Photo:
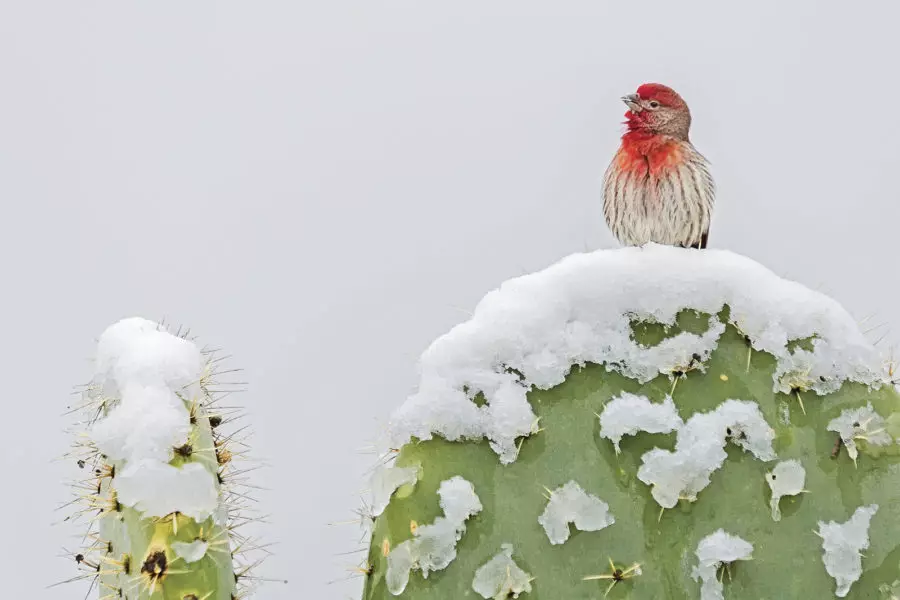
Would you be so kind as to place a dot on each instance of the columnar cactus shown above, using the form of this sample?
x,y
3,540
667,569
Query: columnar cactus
x,y
160,492
644,423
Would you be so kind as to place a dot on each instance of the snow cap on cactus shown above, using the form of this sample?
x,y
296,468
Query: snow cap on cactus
x,y
531,331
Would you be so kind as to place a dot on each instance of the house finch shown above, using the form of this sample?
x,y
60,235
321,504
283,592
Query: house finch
x,y
658,187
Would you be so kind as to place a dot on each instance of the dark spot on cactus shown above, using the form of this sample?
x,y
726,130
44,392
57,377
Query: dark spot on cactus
x,y
695,357
215,421
774,477
184,451
821,378
837,447
155,565
79,558
80,464
728,430
856,423
126,564
220,478
109,547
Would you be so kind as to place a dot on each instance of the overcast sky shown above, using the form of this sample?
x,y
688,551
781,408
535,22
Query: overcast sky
x,y
322,188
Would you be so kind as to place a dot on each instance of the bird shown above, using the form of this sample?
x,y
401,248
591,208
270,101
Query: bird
x,y
658,187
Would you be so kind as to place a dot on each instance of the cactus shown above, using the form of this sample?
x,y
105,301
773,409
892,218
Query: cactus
x,y
695,427
160,489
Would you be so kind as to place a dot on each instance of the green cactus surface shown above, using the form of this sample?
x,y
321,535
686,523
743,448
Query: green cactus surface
x,y
787,554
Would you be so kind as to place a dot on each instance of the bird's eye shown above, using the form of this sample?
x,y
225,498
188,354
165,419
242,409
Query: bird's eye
x,y
654,104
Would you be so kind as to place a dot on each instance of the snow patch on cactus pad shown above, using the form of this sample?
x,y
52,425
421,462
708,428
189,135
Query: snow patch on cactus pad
x,y
843,544
150,377
627,414
533,329
433,546
385,481
786,479
571,504
862,424
713,552
190,552
700,450
501,577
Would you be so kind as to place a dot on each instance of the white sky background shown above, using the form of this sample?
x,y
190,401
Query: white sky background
x,y
324,187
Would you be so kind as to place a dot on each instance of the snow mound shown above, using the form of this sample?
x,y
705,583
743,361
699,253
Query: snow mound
x,y
714,551
531,331
786,479
148,377
627,414
501,577
843,544
700,450
433,546
571,504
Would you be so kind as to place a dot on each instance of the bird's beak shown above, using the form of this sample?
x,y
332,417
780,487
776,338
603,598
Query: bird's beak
x,y
634,102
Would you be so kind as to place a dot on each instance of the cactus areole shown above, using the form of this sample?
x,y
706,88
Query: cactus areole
x,y
644,423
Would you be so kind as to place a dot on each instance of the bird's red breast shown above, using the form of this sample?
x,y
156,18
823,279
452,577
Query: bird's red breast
x,y
646,153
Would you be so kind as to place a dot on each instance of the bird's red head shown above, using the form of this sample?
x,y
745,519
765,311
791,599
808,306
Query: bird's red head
x,y
657,109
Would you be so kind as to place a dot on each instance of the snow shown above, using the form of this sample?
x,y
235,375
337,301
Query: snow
x,y
571,504
501,577
786,479
531,331
145,374
385,481
714,551
190,552
843,543
860,424
628,414
700,450
433,546
157,489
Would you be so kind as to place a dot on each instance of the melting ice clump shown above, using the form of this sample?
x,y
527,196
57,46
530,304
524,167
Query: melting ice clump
x,y
860,424
501,577
713,552
385,481
843,544
700,450
786,479
433,546
627,414
531,331
571,504
190,552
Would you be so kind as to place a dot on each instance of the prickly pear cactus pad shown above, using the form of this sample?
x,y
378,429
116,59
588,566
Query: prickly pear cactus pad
x,y
644,423
159,497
